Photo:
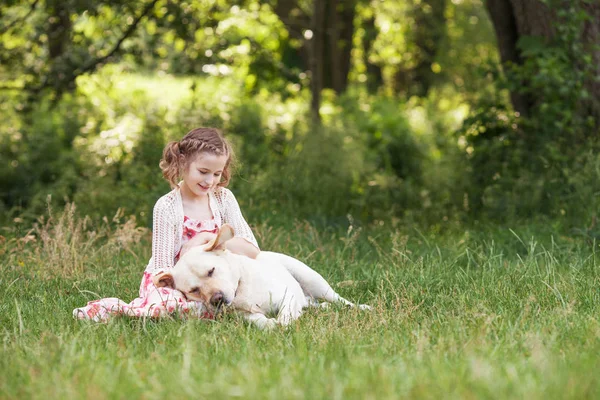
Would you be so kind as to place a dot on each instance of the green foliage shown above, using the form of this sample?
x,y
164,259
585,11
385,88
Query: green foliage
x,y
393,158
468,47
244,40
315,179
41,154
386,131
466,40
522,165
134,183
557,87
49,44
515,175
236,66
366,162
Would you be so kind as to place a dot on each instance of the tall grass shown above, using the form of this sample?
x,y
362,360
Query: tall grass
x,y
68,245
494,313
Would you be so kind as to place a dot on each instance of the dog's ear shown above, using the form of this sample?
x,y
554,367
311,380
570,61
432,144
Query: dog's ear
x,y
218,243
164,279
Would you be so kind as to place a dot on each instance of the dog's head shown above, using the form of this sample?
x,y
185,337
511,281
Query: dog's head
x,y
203,273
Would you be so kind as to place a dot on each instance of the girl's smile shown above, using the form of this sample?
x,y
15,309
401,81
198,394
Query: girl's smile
x,y
203,174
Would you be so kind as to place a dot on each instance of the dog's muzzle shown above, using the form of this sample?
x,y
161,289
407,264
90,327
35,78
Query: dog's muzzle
x,y
218,299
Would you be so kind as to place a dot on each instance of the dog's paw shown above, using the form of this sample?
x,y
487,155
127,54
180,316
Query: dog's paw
x,y
364,307
268,324
261,321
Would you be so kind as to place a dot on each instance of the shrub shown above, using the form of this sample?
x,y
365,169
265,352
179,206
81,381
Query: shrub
x,y
519,166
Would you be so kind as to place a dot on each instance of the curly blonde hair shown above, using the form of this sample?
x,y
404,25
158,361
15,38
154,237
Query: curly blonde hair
x,y
177,156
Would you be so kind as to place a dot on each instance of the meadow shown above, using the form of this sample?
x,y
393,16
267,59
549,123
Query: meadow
x,y
419,167
487,312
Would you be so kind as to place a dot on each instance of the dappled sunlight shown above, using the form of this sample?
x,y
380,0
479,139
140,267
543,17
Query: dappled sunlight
x,y
112,145
417,117
438,160
280,114
163,90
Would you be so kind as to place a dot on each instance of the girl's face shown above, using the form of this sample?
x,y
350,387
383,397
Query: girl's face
x,y
204,173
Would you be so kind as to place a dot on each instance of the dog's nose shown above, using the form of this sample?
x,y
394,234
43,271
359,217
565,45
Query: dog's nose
x,y
217,299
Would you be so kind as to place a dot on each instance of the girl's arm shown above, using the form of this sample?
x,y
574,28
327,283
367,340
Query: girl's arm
x,y
163,235
235,245
242,246
244,241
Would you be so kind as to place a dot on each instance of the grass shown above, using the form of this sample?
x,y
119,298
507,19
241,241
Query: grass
x,y
492,314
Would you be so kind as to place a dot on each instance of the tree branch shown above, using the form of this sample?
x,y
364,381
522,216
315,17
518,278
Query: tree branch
x,y
293,17
20,20
93,63
7,88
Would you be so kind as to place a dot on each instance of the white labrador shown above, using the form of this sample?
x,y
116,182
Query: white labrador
x,y
273,283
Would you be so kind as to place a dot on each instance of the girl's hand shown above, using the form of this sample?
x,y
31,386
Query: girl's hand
x,y
243,247
199,240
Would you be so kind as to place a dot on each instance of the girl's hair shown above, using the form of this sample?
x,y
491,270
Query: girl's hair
x,y
178,155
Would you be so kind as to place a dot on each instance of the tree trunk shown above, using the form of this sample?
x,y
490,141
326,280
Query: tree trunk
x,y
333,71
59,28
339,31
317,58
296,22
374,74
591,38
428,33
430,29
335,29
507,35
345,10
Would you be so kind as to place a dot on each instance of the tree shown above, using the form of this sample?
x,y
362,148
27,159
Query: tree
x,y
374,73
325,35
428,33
45,53
523,27
317,54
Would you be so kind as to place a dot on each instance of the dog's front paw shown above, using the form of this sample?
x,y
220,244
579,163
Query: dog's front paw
x,y
364,307
261,321
269,323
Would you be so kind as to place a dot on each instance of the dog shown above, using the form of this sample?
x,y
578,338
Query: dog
x,y
271,284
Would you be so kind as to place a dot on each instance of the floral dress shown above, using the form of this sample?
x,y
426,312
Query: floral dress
x,y
153,301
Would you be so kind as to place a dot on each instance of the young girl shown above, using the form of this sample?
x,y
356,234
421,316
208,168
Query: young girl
x,y
195,208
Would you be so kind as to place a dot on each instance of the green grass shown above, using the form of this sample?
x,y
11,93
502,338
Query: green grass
x,y
490,314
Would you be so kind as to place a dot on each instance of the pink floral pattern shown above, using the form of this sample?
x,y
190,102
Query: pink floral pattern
x,y
191,227
153,302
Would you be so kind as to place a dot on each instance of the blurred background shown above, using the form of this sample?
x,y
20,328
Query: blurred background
x,y
427,112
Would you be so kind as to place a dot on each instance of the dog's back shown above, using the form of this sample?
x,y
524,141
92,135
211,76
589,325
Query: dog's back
x,y
267,281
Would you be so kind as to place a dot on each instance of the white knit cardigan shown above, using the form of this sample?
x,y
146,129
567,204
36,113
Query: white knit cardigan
x,y
167,226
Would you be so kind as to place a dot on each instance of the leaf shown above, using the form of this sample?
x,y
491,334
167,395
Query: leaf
x,y
531,46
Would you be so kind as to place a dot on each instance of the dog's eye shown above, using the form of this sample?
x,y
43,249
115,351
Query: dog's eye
x,y
195,290
210,273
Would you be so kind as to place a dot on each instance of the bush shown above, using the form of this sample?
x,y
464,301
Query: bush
x,y
513,173
520,166
40,154
315,179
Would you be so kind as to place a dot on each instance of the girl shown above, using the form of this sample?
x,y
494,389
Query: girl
x,y
195,208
